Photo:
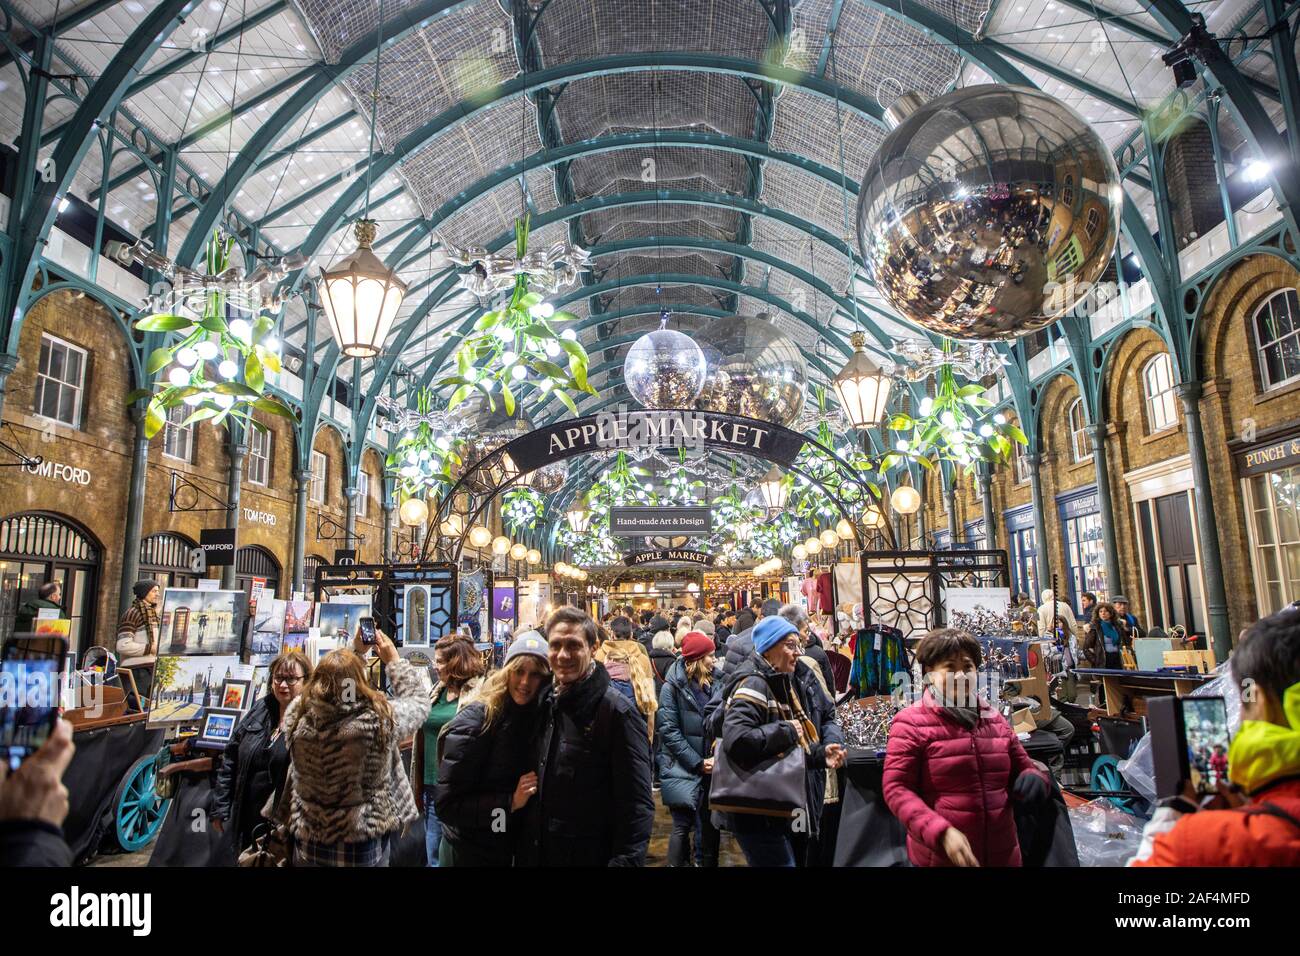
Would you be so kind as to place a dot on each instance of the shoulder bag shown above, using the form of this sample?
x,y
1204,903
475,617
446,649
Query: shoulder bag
x,y
774,787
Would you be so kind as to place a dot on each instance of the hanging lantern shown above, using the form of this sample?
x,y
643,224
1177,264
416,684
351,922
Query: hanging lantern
x,y
500,544
665,369
774,490
414,512
844,528
829,538
906,500
518,551
534,556
799,552
452,526
480,536
862,386
813,545
578,518
872,517
361,297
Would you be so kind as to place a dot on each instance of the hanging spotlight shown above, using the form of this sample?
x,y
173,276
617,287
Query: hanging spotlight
x,y
906,500
480,536
361,297
774,489
862,386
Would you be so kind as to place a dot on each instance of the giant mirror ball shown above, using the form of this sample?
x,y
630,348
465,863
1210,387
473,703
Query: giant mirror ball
x,y
487,429
664,369
988,212
753,370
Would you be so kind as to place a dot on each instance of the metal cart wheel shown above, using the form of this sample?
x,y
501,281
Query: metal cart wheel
x,y
1106,778
139,811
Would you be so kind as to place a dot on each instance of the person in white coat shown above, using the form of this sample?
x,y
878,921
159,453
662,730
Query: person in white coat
x,y
1050,608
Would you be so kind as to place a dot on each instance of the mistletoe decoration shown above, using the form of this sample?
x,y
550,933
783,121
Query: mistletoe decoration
x,y
237,346
954,426
518,341
424,459
522,508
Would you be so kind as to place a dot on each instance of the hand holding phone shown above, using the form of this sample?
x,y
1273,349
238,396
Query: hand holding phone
x,y
35,791
366,628
31,669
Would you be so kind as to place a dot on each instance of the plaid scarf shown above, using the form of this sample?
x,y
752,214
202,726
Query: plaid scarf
x,y
783,702
142,614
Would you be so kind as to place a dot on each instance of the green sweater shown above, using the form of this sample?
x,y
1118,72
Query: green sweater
x,y
442,711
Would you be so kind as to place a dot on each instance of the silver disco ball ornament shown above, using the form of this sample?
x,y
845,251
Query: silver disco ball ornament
x,y
753,370
549,479
664,369
988,212
487,429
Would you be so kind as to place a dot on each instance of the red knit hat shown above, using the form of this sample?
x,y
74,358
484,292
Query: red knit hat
x,y
695,645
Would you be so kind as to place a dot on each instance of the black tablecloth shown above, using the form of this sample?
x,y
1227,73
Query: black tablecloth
x,y
102,759
869,835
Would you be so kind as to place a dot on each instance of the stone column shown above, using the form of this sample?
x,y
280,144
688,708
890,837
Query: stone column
x,y
1207,527
1035,463
134,510
950,496
1097,436
986,506
7,364
301,485
234,482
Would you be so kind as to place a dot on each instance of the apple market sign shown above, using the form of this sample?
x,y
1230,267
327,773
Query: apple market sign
x,y
57,471
668,556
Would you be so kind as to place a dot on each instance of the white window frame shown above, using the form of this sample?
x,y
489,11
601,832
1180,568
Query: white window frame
x,y
79,388
1290,297
259,456
1080,446
1019,463
174,432
319,476
1162,407
363,493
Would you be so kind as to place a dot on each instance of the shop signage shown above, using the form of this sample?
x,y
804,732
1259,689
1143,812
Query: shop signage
x,y
1271,457
261,517
668,555
58,471
345,555
632,520
653,429
218,546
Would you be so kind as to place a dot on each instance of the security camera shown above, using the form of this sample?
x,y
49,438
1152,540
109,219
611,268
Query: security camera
x,y
118,251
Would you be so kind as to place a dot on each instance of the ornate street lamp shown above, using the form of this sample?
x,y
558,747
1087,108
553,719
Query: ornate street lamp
x,y
774,489
578,518
361,297
862,386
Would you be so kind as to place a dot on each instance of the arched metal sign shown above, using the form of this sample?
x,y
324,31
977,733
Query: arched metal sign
x,y
668,556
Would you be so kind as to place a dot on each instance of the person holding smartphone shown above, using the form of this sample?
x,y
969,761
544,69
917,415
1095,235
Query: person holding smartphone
x,y
1255,821
34,804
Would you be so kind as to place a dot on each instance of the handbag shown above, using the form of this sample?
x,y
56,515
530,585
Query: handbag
x,y
773,788
274,847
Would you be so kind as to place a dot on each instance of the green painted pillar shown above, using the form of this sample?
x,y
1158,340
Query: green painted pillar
x,y
1207,526
1114,581
350,519
301,484
134,510
234,483
923,516
985,478
388,530
950,496
1035,463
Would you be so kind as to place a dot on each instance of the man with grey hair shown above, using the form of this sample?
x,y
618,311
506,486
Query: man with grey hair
x,y
812,645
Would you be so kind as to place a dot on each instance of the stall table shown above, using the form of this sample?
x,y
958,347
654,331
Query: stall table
x,y
1136,686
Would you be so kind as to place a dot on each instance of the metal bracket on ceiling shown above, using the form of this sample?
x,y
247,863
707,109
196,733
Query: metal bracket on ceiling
x,y
185,496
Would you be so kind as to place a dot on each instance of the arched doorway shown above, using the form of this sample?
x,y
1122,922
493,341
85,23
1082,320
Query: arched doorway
x,y
38,546
309,565
165,557
253,561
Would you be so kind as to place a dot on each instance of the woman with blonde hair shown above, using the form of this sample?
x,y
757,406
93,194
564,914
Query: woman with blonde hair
x,y
683,757
487,760
460,674
347,792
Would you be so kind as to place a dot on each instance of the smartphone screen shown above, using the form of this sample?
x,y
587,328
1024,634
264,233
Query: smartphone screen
x,y
29,694
1205,726
366,626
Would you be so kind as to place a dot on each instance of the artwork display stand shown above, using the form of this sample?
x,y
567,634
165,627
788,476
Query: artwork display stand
x,y
387,584
907,589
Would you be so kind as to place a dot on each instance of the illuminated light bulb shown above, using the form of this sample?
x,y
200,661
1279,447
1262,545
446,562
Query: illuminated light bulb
x,y
500,544
544,385
799,552
225,401
569,334
508,357
999,419
551,348
207,350
413,512
240,329
844,528
829,538
227,369
543,310
489,384
986,430
519,373
505,333
948,419
927,406
534,556
271,344
192,400
178,375
187,357
813,545
901,445
480,536
518,551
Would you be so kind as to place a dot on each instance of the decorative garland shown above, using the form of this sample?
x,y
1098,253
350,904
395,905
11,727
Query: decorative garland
x,y
424,458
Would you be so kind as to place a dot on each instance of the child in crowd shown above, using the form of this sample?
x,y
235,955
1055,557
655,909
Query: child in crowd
x,y
954,766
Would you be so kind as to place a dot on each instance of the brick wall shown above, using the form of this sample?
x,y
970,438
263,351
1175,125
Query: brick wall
x,y
1191,180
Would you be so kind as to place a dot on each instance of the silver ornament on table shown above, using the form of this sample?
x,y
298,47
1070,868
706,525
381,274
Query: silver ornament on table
x,y
754,370
664,369
988,212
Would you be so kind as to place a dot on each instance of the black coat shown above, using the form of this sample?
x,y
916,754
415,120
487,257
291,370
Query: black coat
x,y
739,648
750,735
818,653
662,662
477,775
238,799
32,843
593,805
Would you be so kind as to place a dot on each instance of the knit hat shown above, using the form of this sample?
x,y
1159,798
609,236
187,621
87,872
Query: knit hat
x,y
695,645
143,587
529,642
771,630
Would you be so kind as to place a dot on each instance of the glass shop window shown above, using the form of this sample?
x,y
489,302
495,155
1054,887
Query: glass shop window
x,y
60,381
363,494
1275,513
1158,385
178,438
1277,336
1086,555
1020,461
319,468
259,456
1080,447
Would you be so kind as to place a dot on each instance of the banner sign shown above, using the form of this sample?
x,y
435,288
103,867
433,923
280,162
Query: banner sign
x,y
668,556
635,520
345,555
218,545
1271,457
624,430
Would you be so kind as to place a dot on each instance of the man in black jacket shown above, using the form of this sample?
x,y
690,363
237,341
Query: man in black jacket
x,y
34,804
740,646
593,806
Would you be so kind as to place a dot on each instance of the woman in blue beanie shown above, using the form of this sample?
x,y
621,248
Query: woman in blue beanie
x,y
774,703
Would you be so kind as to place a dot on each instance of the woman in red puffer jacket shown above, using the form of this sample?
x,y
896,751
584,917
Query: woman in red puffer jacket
x,y
954,765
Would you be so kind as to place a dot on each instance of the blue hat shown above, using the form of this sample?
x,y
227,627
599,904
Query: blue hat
x,y
529,642
769,631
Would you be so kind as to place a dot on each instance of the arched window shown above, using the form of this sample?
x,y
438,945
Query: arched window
x,y
165,557
38,547
1080,446
251,562
1277,336
1158,385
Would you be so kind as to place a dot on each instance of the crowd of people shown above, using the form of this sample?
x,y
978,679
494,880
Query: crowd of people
x,y
556,757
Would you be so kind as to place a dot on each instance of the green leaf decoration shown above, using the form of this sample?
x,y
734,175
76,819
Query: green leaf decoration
x,y
253,373
163,323
275,406
237,389
158,358
202,414
154,419
138,394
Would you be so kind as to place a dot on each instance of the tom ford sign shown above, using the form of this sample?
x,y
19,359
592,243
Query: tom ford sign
x,y
653,429
58,471
668,556
632,520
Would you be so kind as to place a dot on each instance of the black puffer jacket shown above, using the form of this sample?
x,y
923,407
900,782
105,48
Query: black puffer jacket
x,y
593,805
739,648
477,774
751,734
241,794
